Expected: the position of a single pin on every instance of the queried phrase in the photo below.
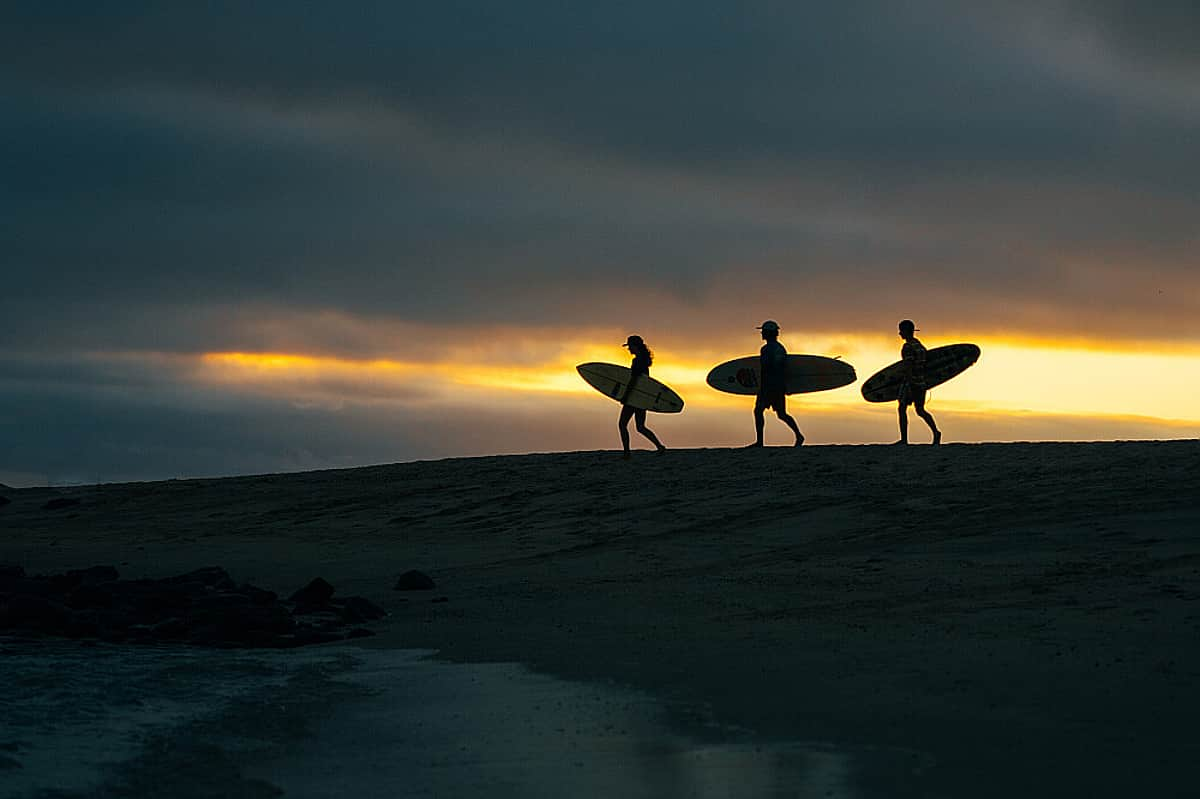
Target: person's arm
(778, 366)
(629, 388)
(908, 358)
(633, 378)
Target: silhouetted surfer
(772, 383)
(912, 392)
(642, 358)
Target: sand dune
(1026, 616)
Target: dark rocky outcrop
(356, 610)
(203, 607)
(314, 595)
(414, 581)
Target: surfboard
(941, 364)
(805, 374)
(648, 394)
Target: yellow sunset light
(1010, 377)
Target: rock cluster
(204, 607)
(61, 502)
(414, 581)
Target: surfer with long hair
(642, 358)
(772, 384)
(912, 391)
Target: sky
(257, 237)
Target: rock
(60, 503)
(34, 613)
(202, 607)
(102, 595)
(258, 596)
(92, 624)
(414, 581)
(209, 577)
(28, 585)
(318, 614)
(169, 629)
(305, 636)
(143, 601)
(220, 603)
(356, 610)
(315, 594)
(247, 625)
(96, 575)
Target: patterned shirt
(913, 353)
(772, 367)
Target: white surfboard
(648, 394)
(804, 374)
(941, 364)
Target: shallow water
(346, 721)
(432, 729)
(73, 715)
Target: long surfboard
(941, 364)
(648, 394)
(805, 374)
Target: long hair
(637, 343)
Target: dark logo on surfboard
(747, 378)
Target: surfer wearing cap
(772, 384)
(642, 358)
(912, 391)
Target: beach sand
(1023, 619)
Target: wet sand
(1022, 618)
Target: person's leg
(786, 418)
(640, 416)
(759, 421)
(903, 423)
(919, 406)
(623, 427)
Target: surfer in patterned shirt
(642, 358)
(912, 390)
(772, 384)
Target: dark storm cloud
(174, 171)
(667, 81)
(1162, 33)
(75, 431)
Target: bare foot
(937, 437)
(661, 450)
(799, 441)
(900, 443)
(753, 446)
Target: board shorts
(910, 394)
(775, 399)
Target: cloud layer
(386, 180)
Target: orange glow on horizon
(1012, 377)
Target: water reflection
(434, 729)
